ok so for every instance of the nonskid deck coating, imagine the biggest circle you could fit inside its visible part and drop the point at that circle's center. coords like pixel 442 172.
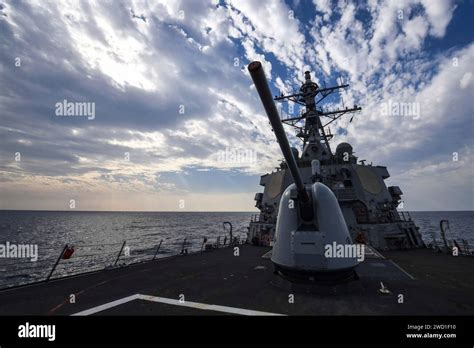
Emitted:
pixel 443 285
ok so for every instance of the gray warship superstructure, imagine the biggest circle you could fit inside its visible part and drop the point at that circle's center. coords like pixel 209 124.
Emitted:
pixel 368 205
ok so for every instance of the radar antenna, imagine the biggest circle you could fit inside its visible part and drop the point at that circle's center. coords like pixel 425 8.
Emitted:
pixel 313 133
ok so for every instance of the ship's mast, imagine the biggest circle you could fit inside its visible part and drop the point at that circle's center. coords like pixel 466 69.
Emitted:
pixel 315 138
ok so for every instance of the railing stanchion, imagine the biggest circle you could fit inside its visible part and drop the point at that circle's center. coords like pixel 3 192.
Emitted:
pixel 231 237
pixel 182 248
pixel 204 240
pixel 157 249
pixel 57 261
pixel 120 252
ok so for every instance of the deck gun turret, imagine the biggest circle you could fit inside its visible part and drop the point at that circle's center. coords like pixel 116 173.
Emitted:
pixel 310 222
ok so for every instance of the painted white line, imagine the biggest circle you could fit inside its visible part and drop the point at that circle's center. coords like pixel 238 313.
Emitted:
pixel 401 269
pixel 108 305
pixel 379 255
pixel 202 306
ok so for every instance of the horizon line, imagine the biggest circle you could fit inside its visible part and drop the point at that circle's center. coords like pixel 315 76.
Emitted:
pixel 136 211
pixel 193 211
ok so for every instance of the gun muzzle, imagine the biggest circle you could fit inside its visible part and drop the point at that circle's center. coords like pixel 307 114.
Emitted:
pixel 260 81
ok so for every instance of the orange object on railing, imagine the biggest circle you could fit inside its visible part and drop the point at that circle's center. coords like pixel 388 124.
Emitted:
pixel 68 253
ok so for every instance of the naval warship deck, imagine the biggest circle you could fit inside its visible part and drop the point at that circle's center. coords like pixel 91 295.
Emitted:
pixel 218 283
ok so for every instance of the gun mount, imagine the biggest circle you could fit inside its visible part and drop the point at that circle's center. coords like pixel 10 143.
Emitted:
pixel 307 222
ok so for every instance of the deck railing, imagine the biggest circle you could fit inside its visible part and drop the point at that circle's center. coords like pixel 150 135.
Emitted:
pixel 88 258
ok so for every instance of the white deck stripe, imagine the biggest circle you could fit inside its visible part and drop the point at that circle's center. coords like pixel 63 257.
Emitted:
pixel 170 301
pixel 375 252
pixel 105 306
pixel 204 306
pixel 401 269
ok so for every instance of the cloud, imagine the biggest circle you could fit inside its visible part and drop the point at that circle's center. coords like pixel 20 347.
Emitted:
pixel 172 92
pixel 439 14
pixel 273 27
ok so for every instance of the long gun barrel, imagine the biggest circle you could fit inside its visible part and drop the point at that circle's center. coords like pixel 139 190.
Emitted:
pixel 260 81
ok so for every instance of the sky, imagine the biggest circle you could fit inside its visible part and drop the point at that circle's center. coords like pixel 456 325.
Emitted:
pixel 172 122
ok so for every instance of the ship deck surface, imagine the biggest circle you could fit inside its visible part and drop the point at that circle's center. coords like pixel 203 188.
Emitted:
pixel 217 282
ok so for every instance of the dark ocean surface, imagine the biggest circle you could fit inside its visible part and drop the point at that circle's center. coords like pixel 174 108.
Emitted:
pixel 98 236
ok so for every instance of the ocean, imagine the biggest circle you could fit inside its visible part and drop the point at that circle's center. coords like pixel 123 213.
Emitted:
pixel 98 237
